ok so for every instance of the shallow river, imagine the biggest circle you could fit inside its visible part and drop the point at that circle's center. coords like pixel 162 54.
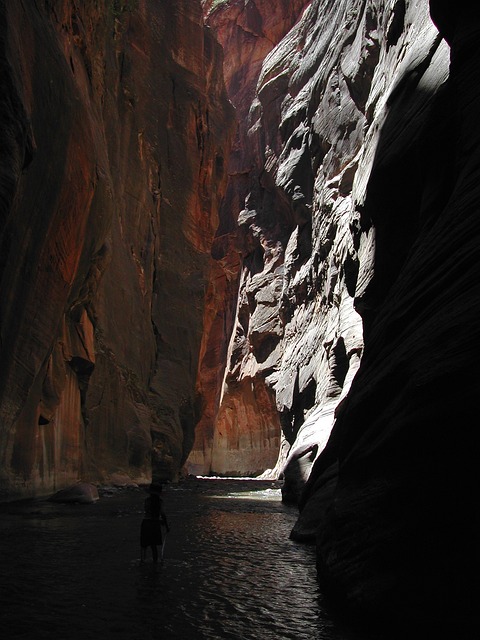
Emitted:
pixel 229 569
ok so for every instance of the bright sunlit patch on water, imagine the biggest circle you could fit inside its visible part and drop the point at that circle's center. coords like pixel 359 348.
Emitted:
pixel 226 478
pixel 273 495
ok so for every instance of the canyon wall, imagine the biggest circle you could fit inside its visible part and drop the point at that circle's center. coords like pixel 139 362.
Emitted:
pixel 305 146
pixel 392 498
pixel 238 432
pixel 358 297
pixel 115 130
pixel 322 321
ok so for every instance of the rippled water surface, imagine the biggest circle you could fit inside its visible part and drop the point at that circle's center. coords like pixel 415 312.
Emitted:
pixel 229 569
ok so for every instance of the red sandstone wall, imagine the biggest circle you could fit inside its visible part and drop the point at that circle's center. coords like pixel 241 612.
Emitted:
pixel 115 129
pixel 248 31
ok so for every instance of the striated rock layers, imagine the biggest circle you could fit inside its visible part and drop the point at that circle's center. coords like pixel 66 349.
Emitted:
pixel 359 236
pixel 114 127
pixel 304 155
pixel 238 432
pixel 357 207
pixel 399 524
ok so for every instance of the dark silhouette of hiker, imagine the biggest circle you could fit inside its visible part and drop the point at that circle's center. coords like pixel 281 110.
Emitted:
pixel 151 530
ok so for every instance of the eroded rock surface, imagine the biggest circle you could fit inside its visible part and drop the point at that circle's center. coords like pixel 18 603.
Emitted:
pixel 308 250
pixel 238 432
pixel 401 524
pixel 115 128
pixel 361 228
pixel 359 241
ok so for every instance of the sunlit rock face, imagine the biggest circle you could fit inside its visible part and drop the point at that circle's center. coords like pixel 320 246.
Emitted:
pixel 238 432
pixel 359 238
pixel 308 249
pixel 400 524
pixel 320 251
pixel 114 133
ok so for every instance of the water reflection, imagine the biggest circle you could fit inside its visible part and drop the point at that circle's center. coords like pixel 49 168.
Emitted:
pixel 229 571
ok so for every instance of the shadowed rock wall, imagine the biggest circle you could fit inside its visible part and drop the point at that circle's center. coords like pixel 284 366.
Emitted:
pixel 238 432
pixel 360 233
pixel 359 243
pixel 114 134
pixel 400 521
pixel 308 137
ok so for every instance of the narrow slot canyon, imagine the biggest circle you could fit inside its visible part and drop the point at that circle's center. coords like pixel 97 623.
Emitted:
pixel 239 259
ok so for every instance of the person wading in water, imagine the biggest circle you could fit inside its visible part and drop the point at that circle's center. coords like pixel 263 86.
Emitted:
pixel 151 529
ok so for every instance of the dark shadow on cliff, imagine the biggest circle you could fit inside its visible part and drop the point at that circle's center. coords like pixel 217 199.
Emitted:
pixel 397 542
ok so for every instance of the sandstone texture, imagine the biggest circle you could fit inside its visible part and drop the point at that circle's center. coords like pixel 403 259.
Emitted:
pixel 322 322
pixel 359 238
pixel 238 432
pixel 115 130
pixel 402 521
pixel 304 151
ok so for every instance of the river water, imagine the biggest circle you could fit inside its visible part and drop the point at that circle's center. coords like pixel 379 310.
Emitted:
pixel 229 569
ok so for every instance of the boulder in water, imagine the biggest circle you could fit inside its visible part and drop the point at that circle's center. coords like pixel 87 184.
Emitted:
pixel 122 480
pixel 82 493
